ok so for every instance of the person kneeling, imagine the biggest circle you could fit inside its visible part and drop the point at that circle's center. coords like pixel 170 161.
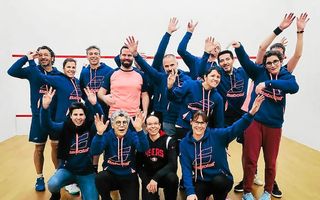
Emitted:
pixel 119 145
pixel 75 136
pixel 203 157
pixel 157 166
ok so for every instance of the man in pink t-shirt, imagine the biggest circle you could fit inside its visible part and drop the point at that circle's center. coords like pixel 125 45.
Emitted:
pixel 124 87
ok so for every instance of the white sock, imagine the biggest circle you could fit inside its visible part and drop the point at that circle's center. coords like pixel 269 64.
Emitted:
pixel 39 175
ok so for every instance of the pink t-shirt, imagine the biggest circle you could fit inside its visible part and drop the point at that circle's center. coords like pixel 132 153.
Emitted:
pixel 125 88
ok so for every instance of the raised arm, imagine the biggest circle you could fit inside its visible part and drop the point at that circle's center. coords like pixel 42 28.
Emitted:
pixel 158 58
pixel 285 23
pixel 141 141
pixel 100 139
pixel 92 98
pixel 17 70
pixel 45 118
pixel 301 24
pixel 248 65
pixel 208 47
pixel 231 132
pixel 189 59
pixel 132 44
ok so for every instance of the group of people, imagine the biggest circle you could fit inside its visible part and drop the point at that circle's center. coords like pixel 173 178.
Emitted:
pixel 141 117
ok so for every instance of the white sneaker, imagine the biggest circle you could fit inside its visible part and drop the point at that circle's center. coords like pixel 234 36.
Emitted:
pixel 72 189
pixel 257 181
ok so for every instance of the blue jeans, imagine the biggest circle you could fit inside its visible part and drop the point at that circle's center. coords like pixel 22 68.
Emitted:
pixel 64 177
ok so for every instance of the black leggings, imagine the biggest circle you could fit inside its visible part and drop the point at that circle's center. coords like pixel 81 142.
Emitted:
pixel 219 187
pixel 127 185
pixel 169 183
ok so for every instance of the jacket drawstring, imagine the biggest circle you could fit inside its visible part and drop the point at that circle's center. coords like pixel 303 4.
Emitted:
pixel 274 90
pixel 93 78
pixel 200 155
pixel 196 161
pixel 75 89
pixel 77 143
pixel 121 149
pixel 120 153
pixel 203 101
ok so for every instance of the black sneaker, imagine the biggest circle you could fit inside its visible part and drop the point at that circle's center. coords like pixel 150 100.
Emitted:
pixel 239 187
pixel 276 191
pixel 55 196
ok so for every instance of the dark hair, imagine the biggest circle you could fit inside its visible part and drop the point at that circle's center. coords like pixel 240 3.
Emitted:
pixel 92 47
pixel 68 60
pixel 272 53
pixel 218 69
pixel 77 105
pixel 50 51
pixel 200 113
pixel 278 45
pixel 123 47
pixel 225 52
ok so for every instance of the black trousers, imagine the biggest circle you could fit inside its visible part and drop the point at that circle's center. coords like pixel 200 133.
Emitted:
pixel 219 187
pixel 169 183
pixel 127 185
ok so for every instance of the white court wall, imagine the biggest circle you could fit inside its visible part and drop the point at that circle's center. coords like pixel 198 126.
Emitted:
pixel 68 27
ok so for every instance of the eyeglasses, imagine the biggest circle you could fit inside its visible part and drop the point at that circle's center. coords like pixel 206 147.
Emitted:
pixel 199 123
pixel 275 62
pixel 119 123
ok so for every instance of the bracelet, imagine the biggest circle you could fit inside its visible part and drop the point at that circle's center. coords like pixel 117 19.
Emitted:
pixel 277 31
pixel 300 32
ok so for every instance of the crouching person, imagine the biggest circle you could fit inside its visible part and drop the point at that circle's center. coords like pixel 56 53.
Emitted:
pixel 157 166
pixel 203 158
pixel 119 146
pixel 75 136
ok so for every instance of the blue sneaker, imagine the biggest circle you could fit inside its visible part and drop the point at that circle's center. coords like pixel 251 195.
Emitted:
pixel 248 196
pixel 265 196
pixel 40 186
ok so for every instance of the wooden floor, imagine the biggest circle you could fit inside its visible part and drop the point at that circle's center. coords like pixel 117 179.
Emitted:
pixel 298 171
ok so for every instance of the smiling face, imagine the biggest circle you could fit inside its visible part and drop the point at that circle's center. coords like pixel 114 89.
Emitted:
pixel 198 127
pixel 126 58
pixel 78 117
pixel 120 126
pixel 273 64
pixel 93 56
pixel 45 58
pixel 153 125
pixel 226 62
pixel 212 79
pixel 69 69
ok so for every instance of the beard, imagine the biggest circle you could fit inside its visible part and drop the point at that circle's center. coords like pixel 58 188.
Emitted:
pixel 127 63
pixel 44 63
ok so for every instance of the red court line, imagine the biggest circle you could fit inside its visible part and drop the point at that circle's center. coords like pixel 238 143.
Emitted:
pixel 23 115
pixel 106 57
pixel 79 56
